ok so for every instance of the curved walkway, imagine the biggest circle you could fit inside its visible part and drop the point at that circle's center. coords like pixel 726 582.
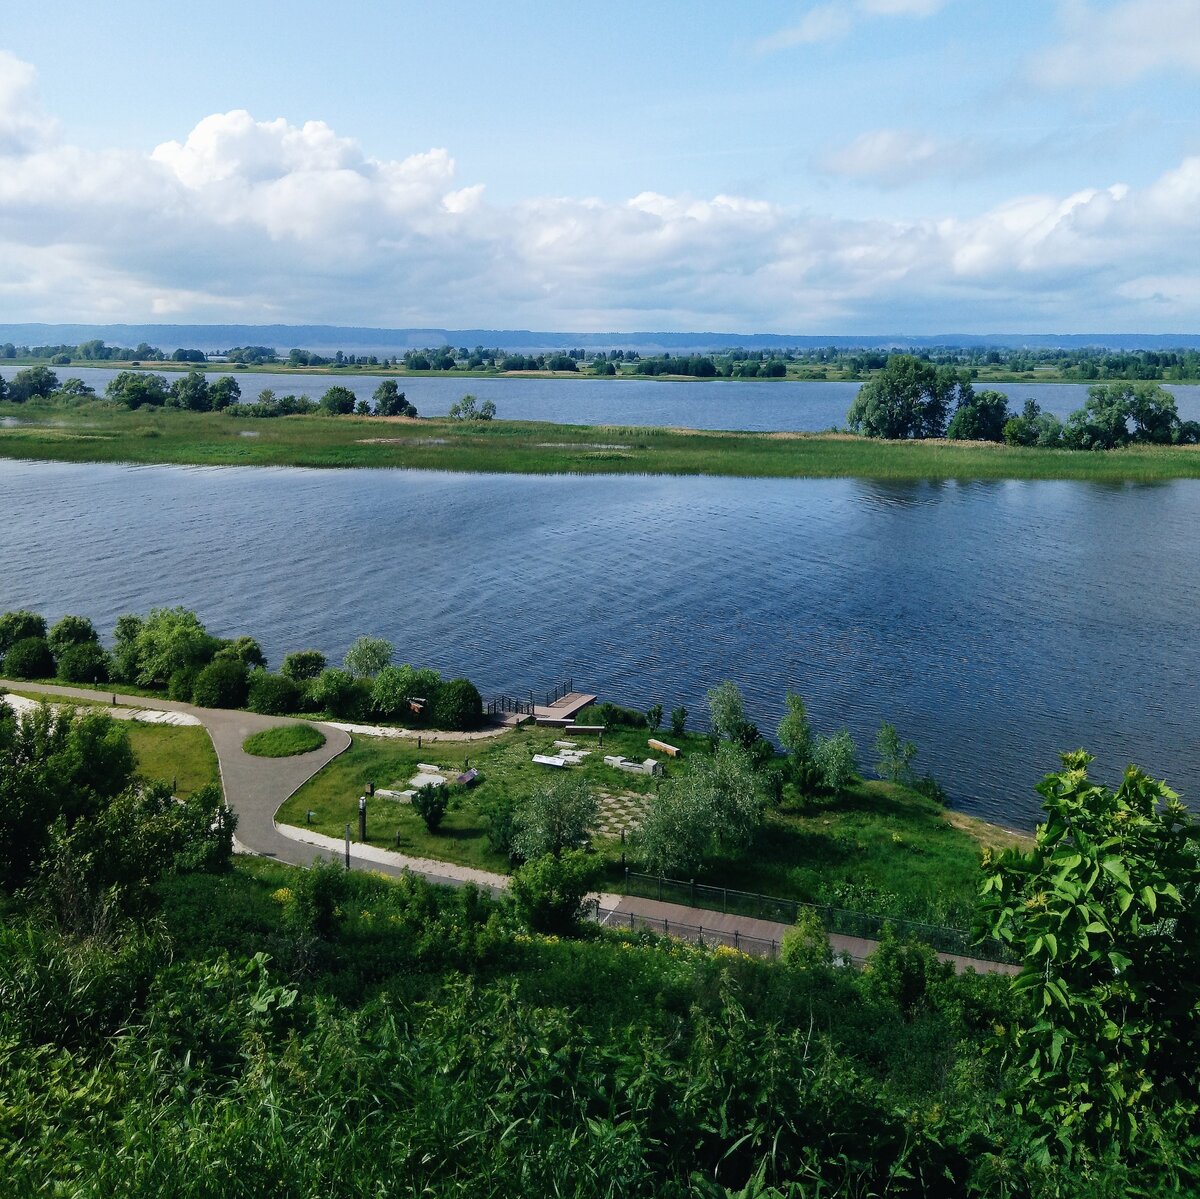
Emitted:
pixel 255 788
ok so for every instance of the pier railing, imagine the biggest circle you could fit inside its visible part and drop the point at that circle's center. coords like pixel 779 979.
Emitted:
pixel 508 703
pixel 557 693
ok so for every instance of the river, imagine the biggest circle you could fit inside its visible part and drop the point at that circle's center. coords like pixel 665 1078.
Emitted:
pixel 994 623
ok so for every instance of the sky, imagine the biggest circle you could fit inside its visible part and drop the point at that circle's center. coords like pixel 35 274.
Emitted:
pixel 846 166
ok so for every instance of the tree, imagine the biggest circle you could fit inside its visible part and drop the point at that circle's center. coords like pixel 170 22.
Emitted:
pixel 1153 412
pixel 168 640
pixel 396 687
pixel 74 388
pixel 654 715
pixel 303 664
pixel 17 626
pixel 836 761
pixel 34 383
pixel 1104 912
pixel 550 893
pixel 367 657
pixel 125 647
pixel 981 417
pixel 272 694
pixel 457 705
pixel 191 391
pixel 29 658
pixel 555 818
pixel 430 803
pixel 137 390
pixel 894 756
pixel 85 662
pixel 221 684
pixel 908 398
pixel 678 721
pixel 726 710
pixel 334 691
pixel 245 650
pixel 69 631
pixel 391 401
pixel 469 409
pixel 795 733
pixel 223 392
pixel 338 401
pixel 1103 422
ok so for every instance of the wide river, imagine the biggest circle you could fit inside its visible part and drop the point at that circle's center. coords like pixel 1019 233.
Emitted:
pixel 993 623
pixel 774 405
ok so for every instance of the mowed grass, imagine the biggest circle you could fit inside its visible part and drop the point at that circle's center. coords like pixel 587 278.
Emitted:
pixel 284 742
pixel 104 433
pixel 878 848
pixel 182 753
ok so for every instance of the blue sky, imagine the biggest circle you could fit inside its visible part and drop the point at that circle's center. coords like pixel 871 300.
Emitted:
pixel 875 166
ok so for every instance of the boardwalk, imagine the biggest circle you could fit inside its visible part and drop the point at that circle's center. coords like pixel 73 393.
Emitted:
pixel 565 708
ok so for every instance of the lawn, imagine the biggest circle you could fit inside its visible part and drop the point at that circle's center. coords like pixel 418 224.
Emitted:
pixel 182 753
pixel 284 742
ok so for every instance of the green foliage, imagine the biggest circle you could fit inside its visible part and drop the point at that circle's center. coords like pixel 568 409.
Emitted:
pixel 469 409
pixel 654 716
pixel 1105 912
pixel 272 694
pixel 726 710
pixel 29 658
pixel 894 756
pixel 245 650
pixel 86 662
pixel 284 741
pixel 457 704
pixel 679 720
pixel 550 892
pixel 367 657
pixel 190 391
pixel 908 398
pixel 338 401
pixel 136 389
pixel 430 802
pixel 168 640
pixel 70 631
pixel 223 392
pixel 303 665
pixel 320 891
pixel 806 944
pixel 836 761
pixel 396 687
pixel 980 416
pixel 33 383
pixel 221 684
pixel 19 626
pixel 795 733
pixel 391 401
pixel 335 691
pixel 555 818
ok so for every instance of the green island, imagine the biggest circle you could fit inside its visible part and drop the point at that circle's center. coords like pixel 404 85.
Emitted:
pixel 284 742
pixel 98 433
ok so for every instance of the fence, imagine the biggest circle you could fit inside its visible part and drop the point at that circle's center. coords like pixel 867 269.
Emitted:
pixel 697 934
pixel 506 703
pixel 835 920
pixel 556 693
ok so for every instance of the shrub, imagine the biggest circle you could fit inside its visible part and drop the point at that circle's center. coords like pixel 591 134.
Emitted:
pixel 335 691
pixel 221 684
pixel 550 894
pixel 181 683
pixel 29 658
pixel 19 625
pixel 396 686
pixel 836 760
pixel 654 715
pixel 806 944
pixel 83 663
pixel 245 650
pixel 678 720
pixel 303 664
pixel 457 705
pixel 272 694
pixel 430 803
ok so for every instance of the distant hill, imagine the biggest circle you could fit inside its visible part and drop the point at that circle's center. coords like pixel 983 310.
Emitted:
pixel 329 338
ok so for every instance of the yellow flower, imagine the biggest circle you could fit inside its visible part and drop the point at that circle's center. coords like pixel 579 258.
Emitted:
pixel 283 896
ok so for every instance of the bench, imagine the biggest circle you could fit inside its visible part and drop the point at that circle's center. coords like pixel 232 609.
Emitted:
pixel 546 760
pixel 467 778
pixel 584 730
pixel 672 751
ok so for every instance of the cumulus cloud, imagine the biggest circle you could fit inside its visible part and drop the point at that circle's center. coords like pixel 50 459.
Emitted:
pixel 268 221
pixel 892 157
pixel 23 123
pixel 832 20
pixel 1120 42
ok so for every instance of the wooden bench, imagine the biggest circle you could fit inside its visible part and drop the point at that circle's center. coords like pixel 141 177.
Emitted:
pixel 584 730
pixel 672 751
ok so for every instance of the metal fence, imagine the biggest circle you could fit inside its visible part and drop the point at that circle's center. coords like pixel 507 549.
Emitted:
pixel 557 693
pixel 506 703
pixel 835 920
pixel 697 934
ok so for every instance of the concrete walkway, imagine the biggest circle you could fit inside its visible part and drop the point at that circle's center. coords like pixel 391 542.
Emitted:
pixel 256 788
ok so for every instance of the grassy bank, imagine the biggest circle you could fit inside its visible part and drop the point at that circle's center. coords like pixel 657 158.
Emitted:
pixel 878 848
pixel 100 434
pixel 183 754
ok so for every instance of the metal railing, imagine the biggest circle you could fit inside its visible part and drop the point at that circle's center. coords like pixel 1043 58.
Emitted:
pixel 697 934
pixel 840 921
pixel 506 703
pixel 556 693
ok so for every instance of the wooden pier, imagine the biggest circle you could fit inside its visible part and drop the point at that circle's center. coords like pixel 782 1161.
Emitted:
pixel 564 708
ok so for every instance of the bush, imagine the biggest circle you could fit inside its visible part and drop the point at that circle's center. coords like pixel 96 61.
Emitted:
pixel 335 691
pixel 83 663
pixel 29 658
pixel 284 742
pixel 181 683
pixel 678 720
pixel 221 684
pixel 396 686
pixel 457 705
pixel 272 694
pixel 368 656
pixel 550 894
pixel 430 803
pixel 302 665
pixel 71 630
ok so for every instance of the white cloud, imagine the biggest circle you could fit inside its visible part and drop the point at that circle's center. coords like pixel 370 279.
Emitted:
pixel 23 124
pixel 269 221
pixel 1120 42
pixel 891 157
pixel 830 21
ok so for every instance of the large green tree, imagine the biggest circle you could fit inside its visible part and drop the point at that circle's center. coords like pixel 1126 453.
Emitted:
pixel 908 398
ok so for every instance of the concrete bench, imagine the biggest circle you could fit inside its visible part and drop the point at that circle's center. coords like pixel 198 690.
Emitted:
pixel 584 730
pixel 672 751
pixel 547 760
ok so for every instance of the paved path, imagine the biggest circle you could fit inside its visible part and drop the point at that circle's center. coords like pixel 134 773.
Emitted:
pixel 255 788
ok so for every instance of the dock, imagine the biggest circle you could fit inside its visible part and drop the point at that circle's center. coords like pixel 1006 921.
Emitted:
pixel 564 708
